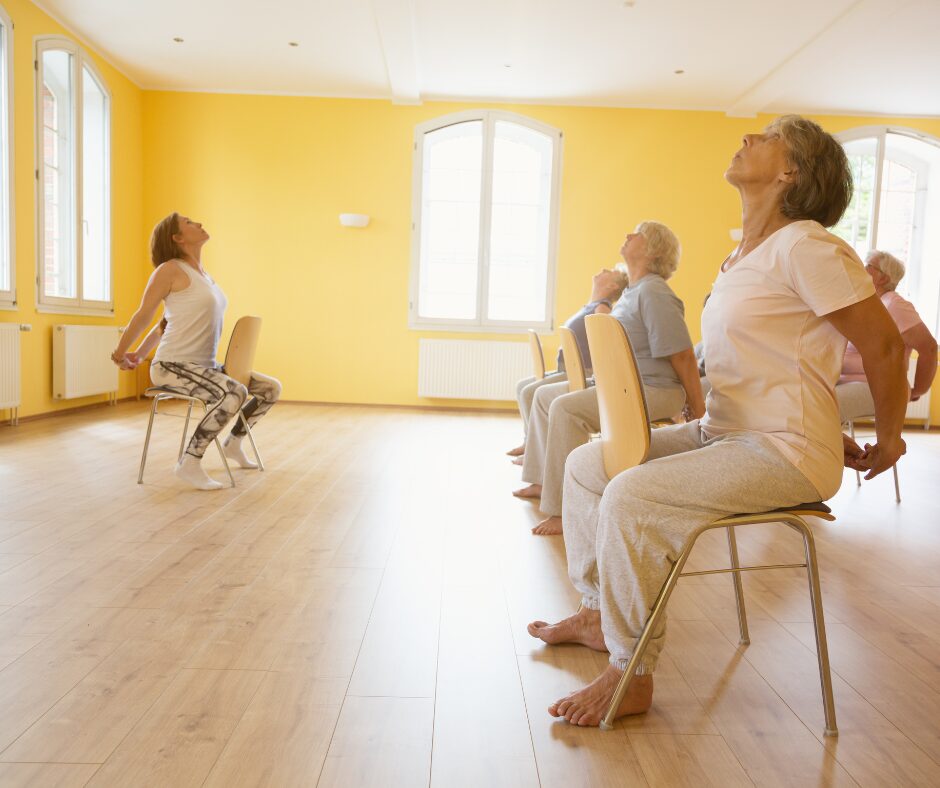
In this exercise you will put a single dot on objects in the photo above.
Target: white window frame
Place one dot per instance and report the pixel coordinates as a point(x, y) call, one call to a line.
point(80, 61)
point(7, 225)
point(480, 324)
point(879, 134)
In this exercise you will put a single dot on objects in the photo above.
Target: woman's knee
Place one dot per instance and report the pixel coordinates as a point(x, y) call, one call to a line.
point(274, 393)
point(239, 393)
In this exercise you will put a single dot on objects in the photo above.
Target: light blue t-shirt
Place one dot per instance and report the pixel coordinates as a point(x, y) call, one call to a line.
point(576, 324)
point(654, 319)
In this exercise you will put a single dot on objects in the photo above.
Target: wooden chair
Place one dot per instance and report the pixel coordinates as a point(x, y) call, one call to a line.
point(625, 443)
point(239, 359)
point(538, 358)
point(574, 364)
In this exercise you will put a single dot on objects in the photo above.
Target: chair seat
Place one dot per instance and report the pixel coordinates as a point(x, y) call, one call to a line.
point(817, 509)
point(154, 391)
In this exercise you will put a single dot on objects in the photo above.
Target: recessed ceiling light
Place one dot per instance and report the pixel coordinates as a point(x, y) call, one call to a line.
point(507, 65)
point(679, 71)
point(178, 40)
point(293, 44)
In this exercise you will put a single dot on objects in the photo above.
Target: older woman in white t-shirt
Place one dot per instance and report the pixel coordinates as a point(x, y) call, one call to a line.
point(775, 328)
point(187, 340)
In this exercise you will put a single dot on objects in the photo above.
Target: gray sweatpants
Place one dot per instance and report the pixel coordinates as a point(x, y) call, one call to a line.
point(562, 421)
point(525, 392)
point(623, 535)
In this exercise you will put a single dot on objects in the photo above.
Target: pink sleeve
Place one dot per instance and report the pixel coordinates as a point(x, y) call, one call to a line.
point(902, 312)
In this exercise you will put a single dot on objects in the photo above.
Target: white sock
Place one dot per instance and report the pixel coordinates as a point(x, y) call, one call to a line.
point(189, 469)
point(233, 450)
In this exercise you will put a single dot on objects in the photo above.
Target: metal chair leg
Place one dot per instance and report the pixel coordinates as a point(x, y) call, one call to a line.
point(659, 607)
point(251, 438)
point(897, 487)
point(819, 623)
point(738, 588)
point(143, 456)
point(189, 413)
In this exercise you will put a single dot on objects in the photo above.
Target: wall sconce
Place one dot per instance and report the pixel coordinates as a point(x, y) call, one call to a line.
point(354, 219)
point(736, 234)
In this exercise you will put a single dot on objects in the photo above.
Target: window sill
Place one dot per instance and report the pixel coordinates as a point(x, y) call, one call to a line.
point(9, 306)
point(463, 328)
point(49, 309)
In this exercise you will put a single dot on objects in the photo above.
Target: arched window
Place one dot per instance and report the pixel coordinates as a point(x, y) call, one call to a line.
point(485, 226)
point(896, 206)
point(74, 180)
point(7, 258)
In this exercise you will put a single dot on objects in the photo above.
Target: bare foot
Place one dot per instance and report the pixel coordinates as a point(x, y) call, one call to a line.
point(517, 452)
point(583, 627)
point(548, 527)
point(587, 706)
point(532, 491)
point(517, 460)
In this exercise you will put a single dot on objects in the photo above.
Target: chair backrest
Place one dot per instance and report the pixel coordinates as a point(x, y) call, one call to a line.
point(538, 359)
point(574, 364)
point(625, 424)
point(240, 356)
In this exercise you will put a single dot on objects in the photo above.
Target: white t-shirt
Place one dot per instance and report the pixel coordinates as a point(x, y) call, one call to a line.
point(772, 358)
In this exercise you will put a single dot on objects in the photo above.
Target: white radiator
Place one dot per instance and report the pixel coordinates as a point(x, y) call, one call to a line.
point(10, 368)
point(471, 369)
point(921, 408)
point(81, 361)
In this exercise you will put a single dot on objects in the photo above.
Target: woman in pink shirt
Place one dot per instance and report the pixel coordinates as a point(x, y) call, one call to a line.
point(853, 392)
point(782, 307)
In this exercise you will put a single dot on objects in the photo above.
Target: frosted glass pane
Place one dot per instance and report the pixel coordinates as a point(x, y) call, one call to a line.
point(450, 221)
point(521, 213)
point(856, 223)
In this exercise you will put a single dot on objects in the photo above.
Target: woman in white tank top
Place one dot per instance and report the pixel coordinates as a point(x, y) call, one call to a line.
point(188, 337)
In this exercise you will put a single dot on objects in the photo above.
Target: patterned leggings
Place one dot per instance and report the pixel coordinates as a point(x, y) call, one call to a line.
point(224, 396)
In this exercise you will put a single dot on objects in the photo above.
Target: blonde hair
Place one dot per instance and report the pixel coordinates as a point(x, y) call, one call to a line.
point(162, 245)
point(823, 186)
point(889, 265)
point(662, 246)
point(623, 280)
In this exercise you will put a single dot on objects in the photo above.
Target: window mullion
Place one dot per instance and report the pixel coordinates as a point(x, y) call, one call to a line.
point(876, 188)
point(486, 221)
point(77, 158)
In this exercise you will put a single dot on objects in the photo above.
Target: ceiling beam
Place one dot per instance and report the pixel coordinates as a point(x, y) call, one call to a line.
point(395, 23)
point(852, 25)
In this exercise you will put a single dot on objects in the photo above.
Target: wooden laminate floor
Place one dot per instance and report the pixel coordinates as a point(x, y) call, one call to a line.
point(355, 616)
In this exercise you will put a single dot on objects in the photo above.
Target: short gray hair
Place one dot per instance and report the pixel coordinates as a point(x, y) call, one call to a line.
point(662, 246)
point(823, 187)
point(889, 265)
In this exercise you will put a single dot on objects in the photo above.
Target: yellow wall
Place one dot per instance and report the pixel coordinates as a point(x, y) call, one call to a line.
point(127, 186)
point(269, 175)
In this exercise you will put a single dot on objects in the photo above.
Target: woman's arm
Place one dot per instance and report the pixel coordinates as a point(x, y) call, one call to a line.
point(150, 342)
point(157, 289)
point(686, 367)
point(920, 339)
point(869, 327)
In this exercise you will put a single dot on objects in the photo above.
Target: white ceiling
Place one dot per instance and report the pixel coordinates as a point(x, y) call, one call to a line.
point(739, 56)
